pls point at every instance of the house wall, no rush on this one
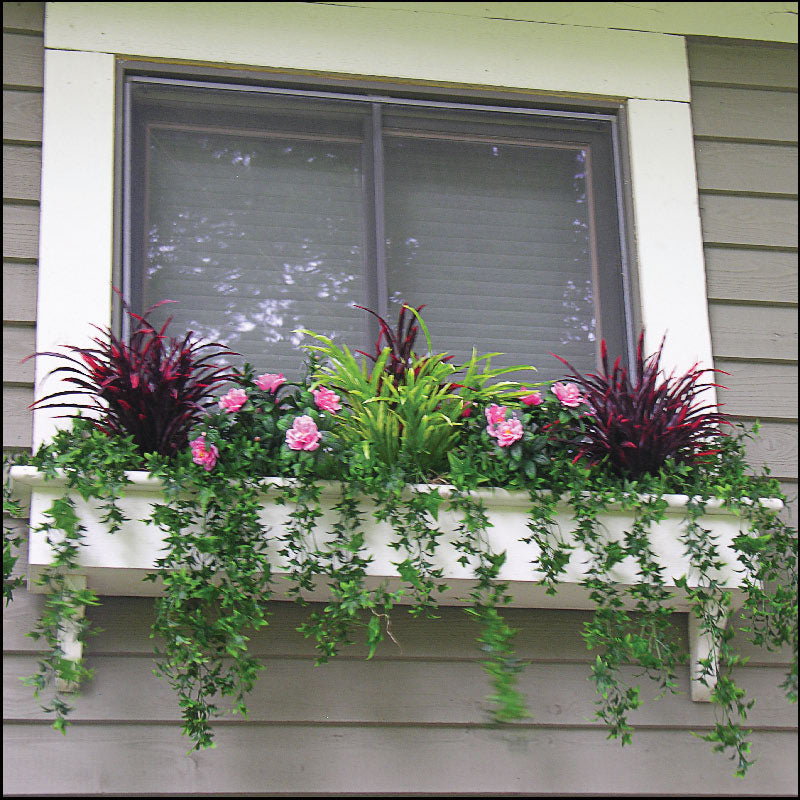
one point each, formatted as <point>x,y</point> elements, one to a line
<point>412,719</point>
<point>744,111</point>
<point>23,25</point>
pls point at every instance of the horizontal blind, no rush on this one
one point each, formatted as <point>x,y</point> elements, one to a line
<point>255,235</point>
<point>494,238</point>
<point>256,213</point>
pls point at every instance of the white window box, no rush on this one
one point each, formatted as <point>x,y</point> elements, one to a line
<point>116,564</point>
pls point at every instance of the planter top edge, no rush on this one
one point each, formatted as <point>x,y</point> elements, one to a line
<point>26,478</point>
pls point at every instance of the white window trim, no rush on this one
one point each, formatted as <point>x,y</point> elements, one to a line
<point>77,200</point>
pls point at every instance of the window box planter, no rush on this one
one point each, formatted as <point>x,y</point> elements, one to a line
<point>116,564</point>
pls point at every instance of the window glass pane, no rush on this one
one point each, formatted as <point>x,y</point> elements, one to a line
<point>495,238</point>
<point>262,212</point>
<point>256,235</point>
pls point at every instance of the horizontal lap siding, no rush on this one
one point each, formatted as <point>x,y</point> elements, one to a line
<point>23,60</point>
<point>427,691</point>
<point>409,760</point>
<point>744,110</point>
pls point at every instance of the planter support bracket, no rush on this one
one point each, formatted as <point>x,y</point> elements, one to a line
<point>68,640</point>
<point>702,646</point>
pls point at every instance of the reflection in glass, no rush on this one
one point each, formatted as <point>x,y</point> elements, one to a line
<point>494,237</point>
<point>256,236</point>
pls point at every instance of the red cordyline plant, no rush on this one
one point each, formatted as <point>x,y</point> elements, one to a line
<point>637,422</point>
<point>400,342</point>
<point>153,388</point>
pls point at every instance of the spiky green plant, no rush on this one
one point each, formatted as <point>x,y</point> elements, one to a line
<point>416,411</point>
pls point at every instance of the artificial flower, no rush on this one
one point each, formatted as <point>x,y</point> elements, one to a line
<point>203,454</point>
<point>533,399</point>
<point>233,401</point>
<point>303,435</point>
<point>508,432</point>
<point>327,399</point>
<point>270,382</point>
<point>568,393</point>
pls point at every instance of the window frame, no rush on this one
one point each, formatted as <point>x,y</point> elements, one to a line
<point>612,292</point>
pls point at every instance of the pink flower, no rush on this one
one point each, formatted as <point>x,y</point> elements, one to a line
<point>495,414</point>
<point>270,382</point>
<point>303,435</point>
<point>327,399</point>
<point>508,432</point>
<point>533,399</point>
<point>568,394</point>
<point>202,454</point>
<point>233,401</point>
<point>466,411</point>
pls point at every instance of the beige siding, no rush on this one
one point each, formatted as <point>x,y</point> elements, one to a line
<point>759,276</point>
<point>22,172</point>
<point>19,292</point>
<point>744,107</point>
<point>23,17</point>
<point>412,720</point>
<point>773,67</point>
<point>23,61</point>
<point>752,114</point>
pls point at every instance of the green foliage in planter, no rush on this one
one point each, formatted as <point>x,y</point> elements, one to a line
<point>407,406</point>
<point>218,578</point>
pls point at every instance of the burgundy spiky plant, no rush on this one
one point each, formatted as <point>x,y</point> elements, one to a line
<point>638,422</point>
<point>153,388</point>
<point>399,341</point>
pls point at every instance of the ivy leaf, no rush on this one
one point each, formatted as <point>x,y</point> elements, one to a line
<point>63,513</point>
<point>374,636</point>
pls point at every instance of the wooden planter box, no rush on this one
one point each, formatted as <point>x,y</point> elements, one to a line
<point>116,564</point>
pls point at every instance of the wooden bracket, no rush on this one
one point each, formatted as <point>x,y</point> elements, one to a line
<point>68,640</point>
<point>701,646</point>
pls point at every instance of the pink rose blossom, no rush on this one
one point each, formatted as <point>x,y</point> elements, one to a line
<point>327,399</point>
<point>233,401</point>
<point>202,454</point>
<point>533,399</point>
<point>270,382</point>
<point>303,435</point>
<point>508,432</point>
<point>495,414</point>
<point>568,394</point>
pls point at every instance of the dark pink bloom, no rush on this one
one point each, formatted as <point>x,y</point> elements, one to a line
<point>507,432</point>
<point>203,454</point>
<point>533,399</point>
<point>327,399</point>
<point>568,394</point>
<point>270,382</point>
<point>303,435</point>
<point>233,401</point>
<point>495,414</point>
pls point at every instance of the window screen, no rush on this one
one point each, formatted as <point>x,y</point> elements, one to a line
<point>263,213</point>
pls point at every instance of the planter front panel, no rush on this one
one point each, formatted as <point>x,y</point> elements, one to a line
<point>115,564</point>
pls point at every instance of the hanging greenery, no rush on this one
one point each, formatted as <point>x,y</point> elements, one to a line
<point>401,439</point>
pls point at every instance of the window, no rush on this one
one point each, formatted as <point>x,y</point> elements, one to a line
<point>264,210</point>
